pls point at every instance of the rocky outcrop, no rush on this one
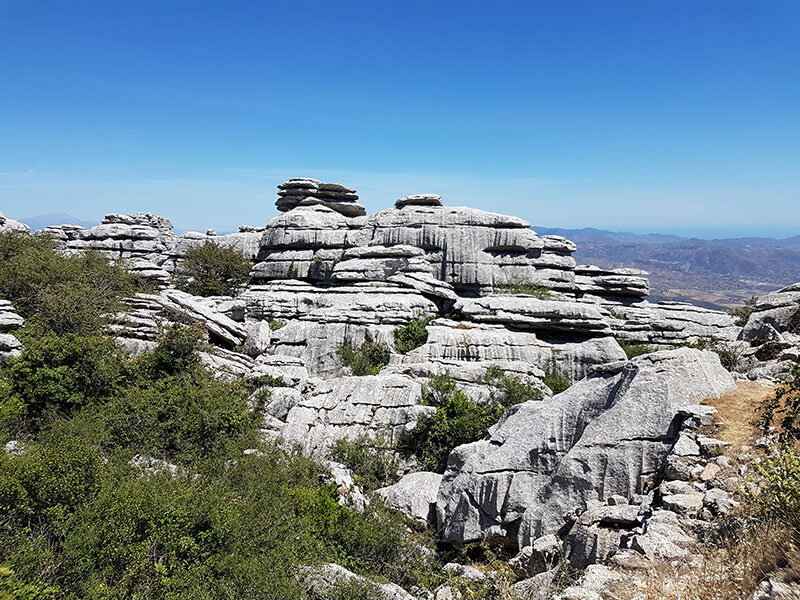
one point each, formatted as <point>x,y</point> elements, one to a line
<point>302,191</point>
<point>414,496</point>
<point>320,582</point>
<point>607,435</point>
<point>7,225</point>
<point>316,321</point>
<point>771,335</point>
<point>10,346</point>
<point>380,406</point>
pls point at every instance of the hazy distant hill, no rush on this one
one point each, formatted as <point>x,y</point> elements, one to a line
<point>41,221</point>
<point>719,273</point>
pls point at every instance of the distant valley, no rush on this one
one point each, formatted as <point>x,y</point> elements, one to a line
<point>718,273</point>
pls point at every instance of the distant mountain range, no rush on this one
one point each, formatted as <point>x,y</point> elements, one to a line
<point>719,273</point>
<point>41,221</point>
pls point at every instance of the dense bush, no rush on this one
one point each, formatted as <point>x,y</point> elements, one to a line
<point>508,390</point>
<point>367,359</point>
<point>412,335</point>
<point>63,294</point>
<point>213,270</point>
<point>457,421</point>
<point>741,314</point>
<point>56,375</point>
<point>179,418</point>
<point>373,461</point>
<point>555,380</point>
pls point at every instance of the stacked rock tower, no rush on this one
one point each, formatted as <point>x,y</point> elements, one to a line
<point>302,191</point>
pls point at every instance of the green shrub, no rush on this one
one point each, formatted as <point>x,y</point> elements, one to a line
<point>277,324</point>
<point>778,494</point>
<point>457,421</point>
<point>367,359</point>
<point>64,294</point>
<point>741,314</point>
<point>56,375</point>
<point>633,350</point>
<point>177,352</point>
<point>519,286</point>
<point>412,335</point>
<point>213,270</point>
<point>373,461</point>
<point>555,380</point>
<point>785,407</point>
<point>508,390</point>
<point>179,418</point>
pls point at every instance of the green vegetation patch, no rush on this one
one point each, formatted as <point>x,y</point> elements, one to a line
<point>741,314</point>
<point>412,335</point>
<point>213,270</point>
<point>520,286</point>
<point>374,461</point>
<point>62,294</point>
<point>633,350</point>
<point>367,359</point>
<point>458,420</point>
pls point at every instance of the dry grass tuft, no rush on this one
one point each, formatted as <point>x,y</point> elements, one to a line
<point>737,413</point>
<point>728,571</point>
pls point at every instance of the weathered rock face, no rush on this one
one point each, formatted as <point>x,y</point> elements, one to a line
<point>10,346</point>
<point>606,435</point>
<point>302,191</point>
<point>664,324</point>
<point>414,496</point>
<point>7,224</point>
<point>771,336</point>
<point>473,250</point>
<point>319,320</point>
<point>348,407</point>
<point>305,243</point>
<point>774,315</point>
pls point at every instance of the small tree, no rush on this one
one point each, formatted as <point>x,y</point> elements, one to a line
<point>213,270</point>
<point>741,314</point>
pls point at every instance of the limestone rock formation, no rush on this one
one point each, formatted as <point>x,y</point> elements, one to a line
<point>606,435</point>
<point>379,406</point>
<point>10,346</point>
<point>7,224</point>
<point>414,496</point>
<point>302,191</point>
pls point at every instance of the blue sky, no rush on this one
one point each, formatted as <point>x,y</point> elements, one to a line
<point>679,116</point>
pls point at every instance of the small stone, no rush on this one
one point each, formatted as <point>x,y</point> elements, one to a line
<point>617,500</point>
<point>684,504</point>
<point>211,232</point>
<point>724,462</point>
<point>710,472</point>
<point>711,446</point>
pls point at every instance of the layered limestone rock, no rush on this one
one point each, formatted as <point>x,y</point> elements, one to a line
<point>774,316</point>
<point>315,321</point>
<point>607,435</point>
<point>380,407</point>
<point>7,225</point>
<point>772,335</point>
<point>612,282</point>
<point>151,314</point>
<point>474,250</point>
<point>664,324</point>
<point>306,243</point>
<point>302,191</point>
<point>10,346</point>
<point>143,240</point>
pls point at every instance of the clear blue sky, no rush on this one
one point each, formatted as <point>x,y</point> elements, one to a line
<point>673,116</point>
